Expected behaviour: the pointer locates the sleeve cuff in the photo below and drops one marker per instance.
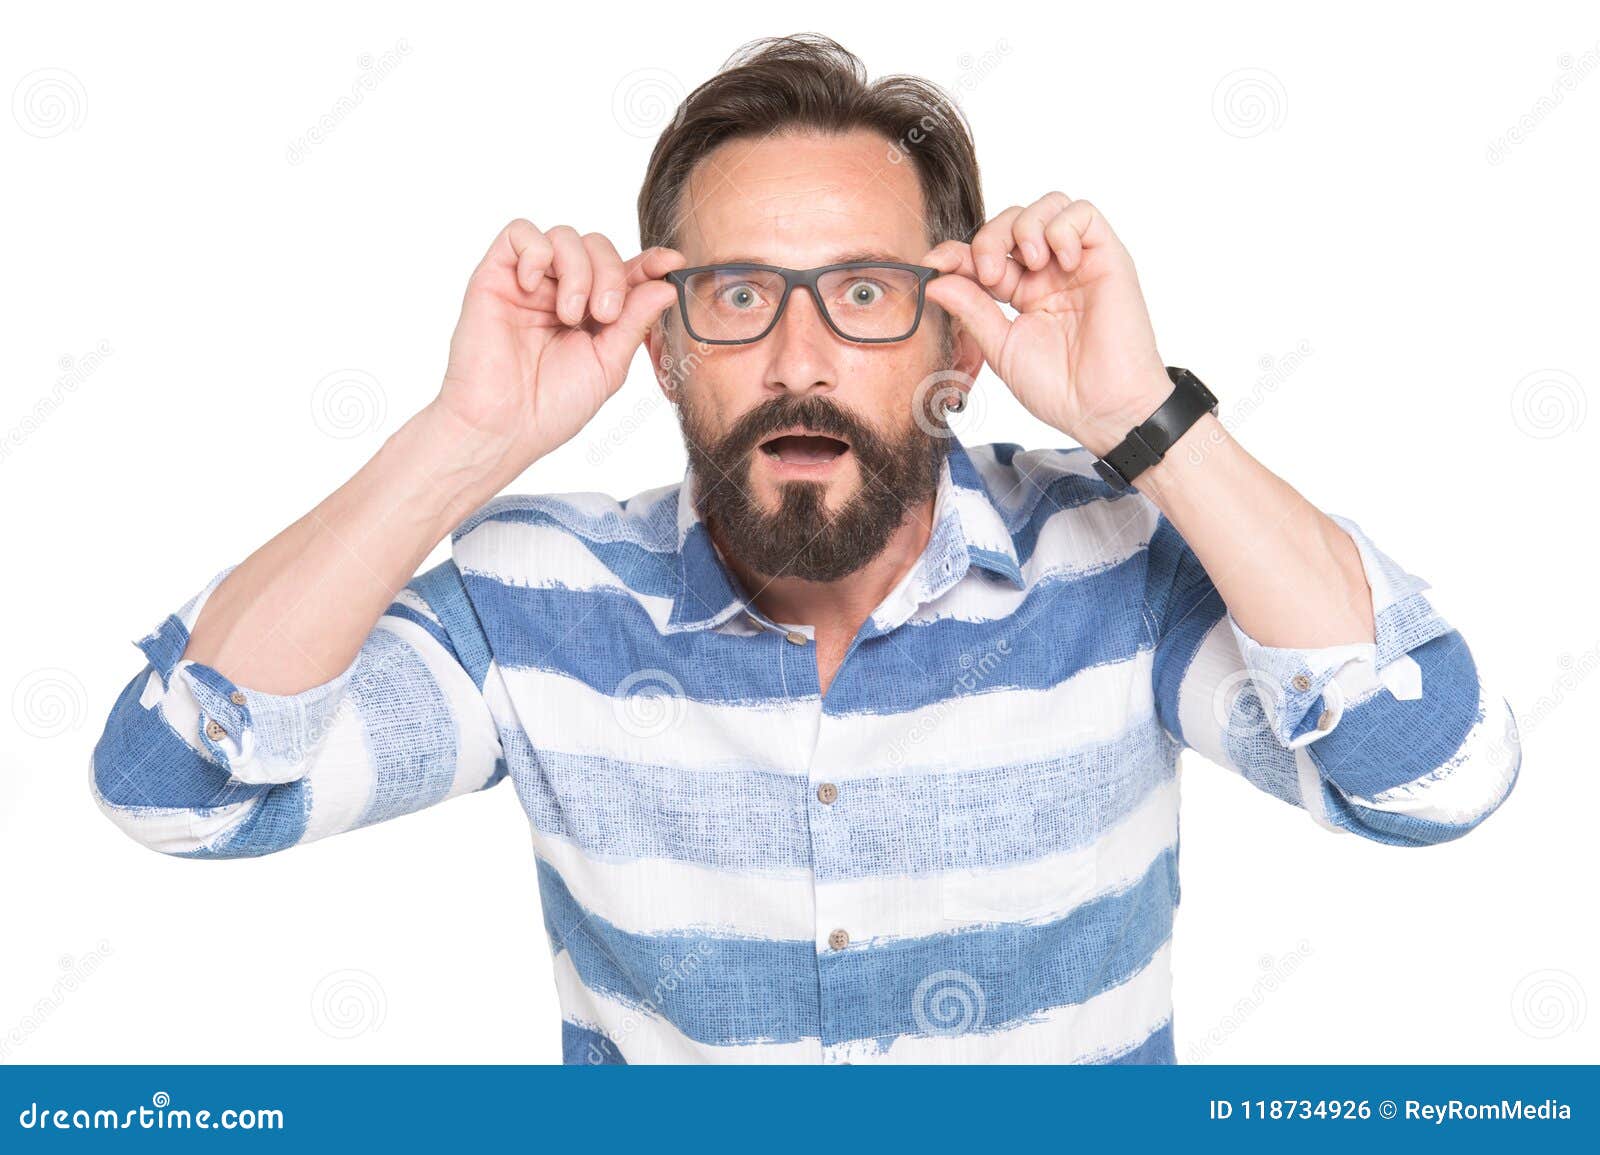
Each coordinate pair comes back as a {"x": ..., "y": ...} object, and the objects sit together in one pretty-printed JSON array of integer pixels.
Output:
[
  {"x": 1305, "y": 691},
  {"x": 259, "y": 738}
]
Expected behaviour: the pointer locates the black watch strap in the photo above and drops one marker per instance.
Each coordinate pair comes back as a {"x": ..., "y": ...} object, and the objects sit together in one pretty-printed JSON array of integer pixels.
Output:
[{"x": 1189, "y": 401}]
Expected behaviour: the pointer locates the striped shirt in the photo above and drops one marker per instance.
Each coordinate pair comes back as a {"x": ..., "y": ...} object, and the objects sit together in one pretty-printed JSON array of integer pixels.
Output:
[{"x": 965, "y": 851}]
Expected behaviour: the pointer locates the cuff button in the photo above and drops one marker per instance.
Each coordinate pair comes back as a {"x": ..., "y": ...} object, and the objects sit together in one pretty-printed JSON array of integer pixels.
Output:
[
  {"x": 214, "y": 731},
  {"x": 1301, "y": 683},
  {"x": 237, "y": 697}
]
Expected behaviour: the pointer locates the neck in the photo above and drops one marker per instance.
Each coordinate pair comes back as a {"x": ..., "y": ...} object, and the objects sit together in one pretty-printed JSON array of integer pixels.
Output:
[{"x": 839, "y": 607}]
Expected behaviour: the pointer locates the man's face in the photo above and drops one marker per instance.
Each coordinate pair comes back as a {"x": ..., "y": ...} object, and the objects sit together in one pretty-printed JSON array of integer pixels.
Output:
[{"x": 808, "y": 448}]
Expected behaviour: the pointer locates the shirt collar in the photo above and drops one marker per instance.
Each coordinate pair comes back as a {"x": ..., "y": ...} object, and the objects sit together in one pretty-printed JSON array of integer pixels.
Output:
[{"x": 968, "y": 530}]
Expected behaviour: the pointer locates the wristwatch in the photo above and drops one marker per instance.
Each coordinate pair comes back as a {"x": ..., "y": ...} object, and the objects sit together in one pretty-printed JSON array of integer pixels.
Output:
[{"x": 1189, "y": 401}]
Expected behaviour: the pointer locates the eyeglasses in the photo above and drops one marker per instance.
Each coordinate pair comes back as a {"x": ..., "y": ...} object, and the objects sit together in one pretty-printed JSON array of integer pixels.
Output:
[{"x": 866, "y": 301}]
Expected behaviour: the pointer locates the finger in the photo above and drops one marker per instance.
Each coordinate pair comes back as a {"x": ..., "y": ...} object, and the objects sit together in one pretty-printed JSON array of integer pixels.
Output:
[
  {"x": 978, "y": 312},
  {"x": 1029, "y": 228},
  {"x": 519, "y": 249},
  {"x": 992, "y": 243},
  {"x": 653, "y": 264},
  {"x": 610, "y": 278},
  {"x": 534, "y": 253},
  {"x": 947, "y": 256},
  {"x": 573, "y": 274},
  {"x": 1080, "y": 226},
  {"x": 1066, "y": 245},
  {"x": 955, "y": 258},
  {"x": 617, "y": 342}
]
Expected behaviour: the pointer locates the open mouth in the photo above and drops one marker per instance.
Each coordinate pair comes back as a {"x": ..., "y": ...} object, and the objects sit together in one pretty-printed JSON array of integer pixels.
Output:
[{"x": 804, "y": 448}]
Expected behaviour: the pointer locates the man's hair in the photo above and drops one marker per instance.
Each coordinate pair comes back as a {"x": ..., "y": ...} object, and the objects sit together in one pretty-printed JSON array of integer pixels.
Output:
[{"x": 811, "y": 83}]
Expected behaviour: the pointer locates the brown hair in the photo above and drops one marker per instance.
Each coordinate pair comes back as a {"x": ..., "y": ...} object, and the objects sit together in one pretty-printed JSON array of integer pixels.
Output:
[{"x": 810, "y": 82}]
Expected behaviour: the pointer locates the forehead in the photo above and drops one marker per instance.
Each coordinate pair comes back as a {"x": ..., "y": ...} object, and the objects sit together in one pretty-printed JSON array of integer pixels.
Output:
[{"x": 802, "y": 199}]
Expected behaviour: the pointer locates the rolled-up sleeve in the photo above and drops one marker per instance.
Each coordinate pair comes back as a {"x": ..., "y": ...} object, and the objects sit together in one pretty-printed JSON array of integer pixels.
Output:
[
  {"x": 191, "y": 763},
  {"x": 1401, "y": 740}
]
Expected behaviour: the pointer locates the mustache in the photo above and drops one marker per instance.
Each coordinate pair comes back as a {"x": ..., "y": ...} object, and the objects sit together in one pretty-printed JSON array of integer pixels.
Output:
[{"x": 816, "y": 413}]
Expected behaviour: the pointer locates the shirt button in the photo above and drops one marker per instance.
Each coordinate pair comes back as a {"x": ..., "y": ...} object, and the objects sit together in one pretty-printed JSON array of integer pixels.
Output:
[
  {"x": 1324, "y": 719},
  {"x": 796, "y": 637},
  {"x": 753, "y": 620},
  {"x": 1301, "y": 683},
  {"x": 838, "y": 940},
  {"x": 826, "y": 793},
  {"x": 237, "y": 697},
  {"x": 214, "y": 730}
]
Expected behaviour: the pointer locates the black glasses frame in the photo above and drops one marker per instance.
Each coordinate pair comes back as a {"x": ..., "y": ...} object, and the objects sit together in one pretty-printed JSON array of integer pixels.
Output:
[{"x": 805, "y": 278}]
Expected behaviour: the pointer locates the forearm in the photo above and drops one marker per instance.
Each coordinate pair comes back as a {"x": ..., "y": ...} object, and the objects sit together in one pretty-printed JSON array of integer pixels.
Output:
[
  {"x": 1289, "y": 575},
  {"x": 295, "y": 613},
  {"x": 1383, "y": 723}
]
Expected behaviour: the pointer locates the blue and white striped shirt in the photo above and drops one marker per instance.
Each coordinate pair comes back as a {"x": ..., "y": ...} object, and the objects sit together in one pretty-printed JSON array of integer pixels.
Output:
[{"x": 967, "y": 850}]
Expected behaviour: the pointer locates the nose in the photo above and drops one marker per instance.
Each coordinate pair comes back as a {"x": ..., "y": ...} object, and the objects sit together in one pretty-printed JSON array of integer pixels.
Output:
[{"x": 801, "y": 349}]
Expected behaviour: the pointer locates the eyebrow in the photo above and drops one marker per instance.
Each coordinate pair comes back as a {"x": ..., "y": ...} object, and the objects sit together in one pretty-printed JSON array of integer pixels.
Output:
[{"x": 856, "y": 255}]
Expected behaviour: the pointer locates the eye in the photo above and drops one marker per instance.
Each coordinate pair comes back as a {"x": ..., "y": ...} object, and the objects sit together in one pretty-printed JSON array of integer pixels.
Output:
[
  {"x": 863, "y": 293},
  {"x": 741, "y": 296}
]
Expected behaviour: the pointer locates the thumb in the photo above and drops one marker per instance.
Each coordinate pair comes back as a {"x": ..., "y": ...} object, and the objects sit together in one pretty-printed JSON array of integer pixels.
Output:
[
  {"x": 979, "y": 313},
  {"x": 617, "y": 342}
]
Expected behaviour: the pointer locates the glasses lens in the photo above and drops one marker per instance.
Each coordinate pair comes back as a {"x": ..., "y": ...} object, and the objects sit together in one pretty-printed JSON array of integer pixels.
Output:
[
  {"x": 871, "y": 302},
  {"x": 732, "y": 304}
]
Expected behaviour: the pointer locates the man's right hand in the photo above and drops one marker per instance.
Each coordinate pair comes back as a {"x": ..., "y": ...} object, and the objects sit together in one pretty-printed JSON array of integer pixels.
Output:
[
  {"x": 549, "y": 324},
  {"x": 547, "y": 329}
]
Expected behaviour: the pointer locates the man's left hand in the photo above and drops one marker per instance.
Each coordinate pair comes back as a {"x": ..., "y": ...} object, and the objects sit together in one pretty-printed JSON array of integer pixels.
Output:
[{"x": 1080, "y": 355}]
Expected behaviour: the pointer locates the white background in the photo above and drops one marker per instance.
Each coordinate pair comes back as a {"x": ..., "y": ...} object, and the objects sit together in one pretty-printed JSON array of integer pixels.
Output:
[{"x": 1284, "y": 183}]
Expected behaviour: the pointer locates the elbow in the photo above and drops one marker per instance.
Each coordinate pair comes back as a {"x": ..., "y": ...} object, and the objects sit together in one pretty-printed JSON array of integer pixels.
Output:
[
  {"x": 159, "y": 790},
  {"x": 1454, "y": 797},
  {"x": 1430, "y": 765}
]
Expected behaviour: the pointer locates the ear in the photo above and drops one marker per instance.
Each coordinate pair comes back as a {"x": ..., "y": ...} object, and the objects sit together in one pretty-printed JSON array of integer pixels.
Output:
[
  {"x": 967, "y": 359},
  {"x": 663, "y": 358}
]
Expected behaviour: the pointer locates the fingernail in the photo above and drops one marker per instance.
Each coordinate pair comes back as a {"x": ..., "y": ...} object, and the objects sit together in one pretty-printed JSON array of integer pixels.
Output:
[
  {"x": 610, "y": 302},
  {"x": 575, "y": 306},
  {"x": 1031, "y": 252},
  {"x": 988, "y": 268}
]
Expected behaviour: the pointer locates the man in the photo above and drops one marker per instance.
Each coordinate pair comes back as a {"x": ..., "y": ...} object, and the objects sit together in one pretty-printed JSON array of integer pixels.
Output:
[{"x": 860, "y": 744}]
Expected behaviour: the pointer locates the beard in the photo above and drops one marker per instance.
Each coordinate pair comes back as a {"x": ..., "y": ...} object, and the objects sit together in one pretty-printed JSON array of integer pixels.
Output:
[{"x": 802, "y": 538}]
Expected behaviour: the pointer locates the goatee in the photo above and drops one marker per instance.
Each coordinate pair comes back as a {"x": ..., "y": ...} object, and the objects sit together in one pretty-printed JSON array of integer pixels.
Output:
[{"x": 802, "y": 538}]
